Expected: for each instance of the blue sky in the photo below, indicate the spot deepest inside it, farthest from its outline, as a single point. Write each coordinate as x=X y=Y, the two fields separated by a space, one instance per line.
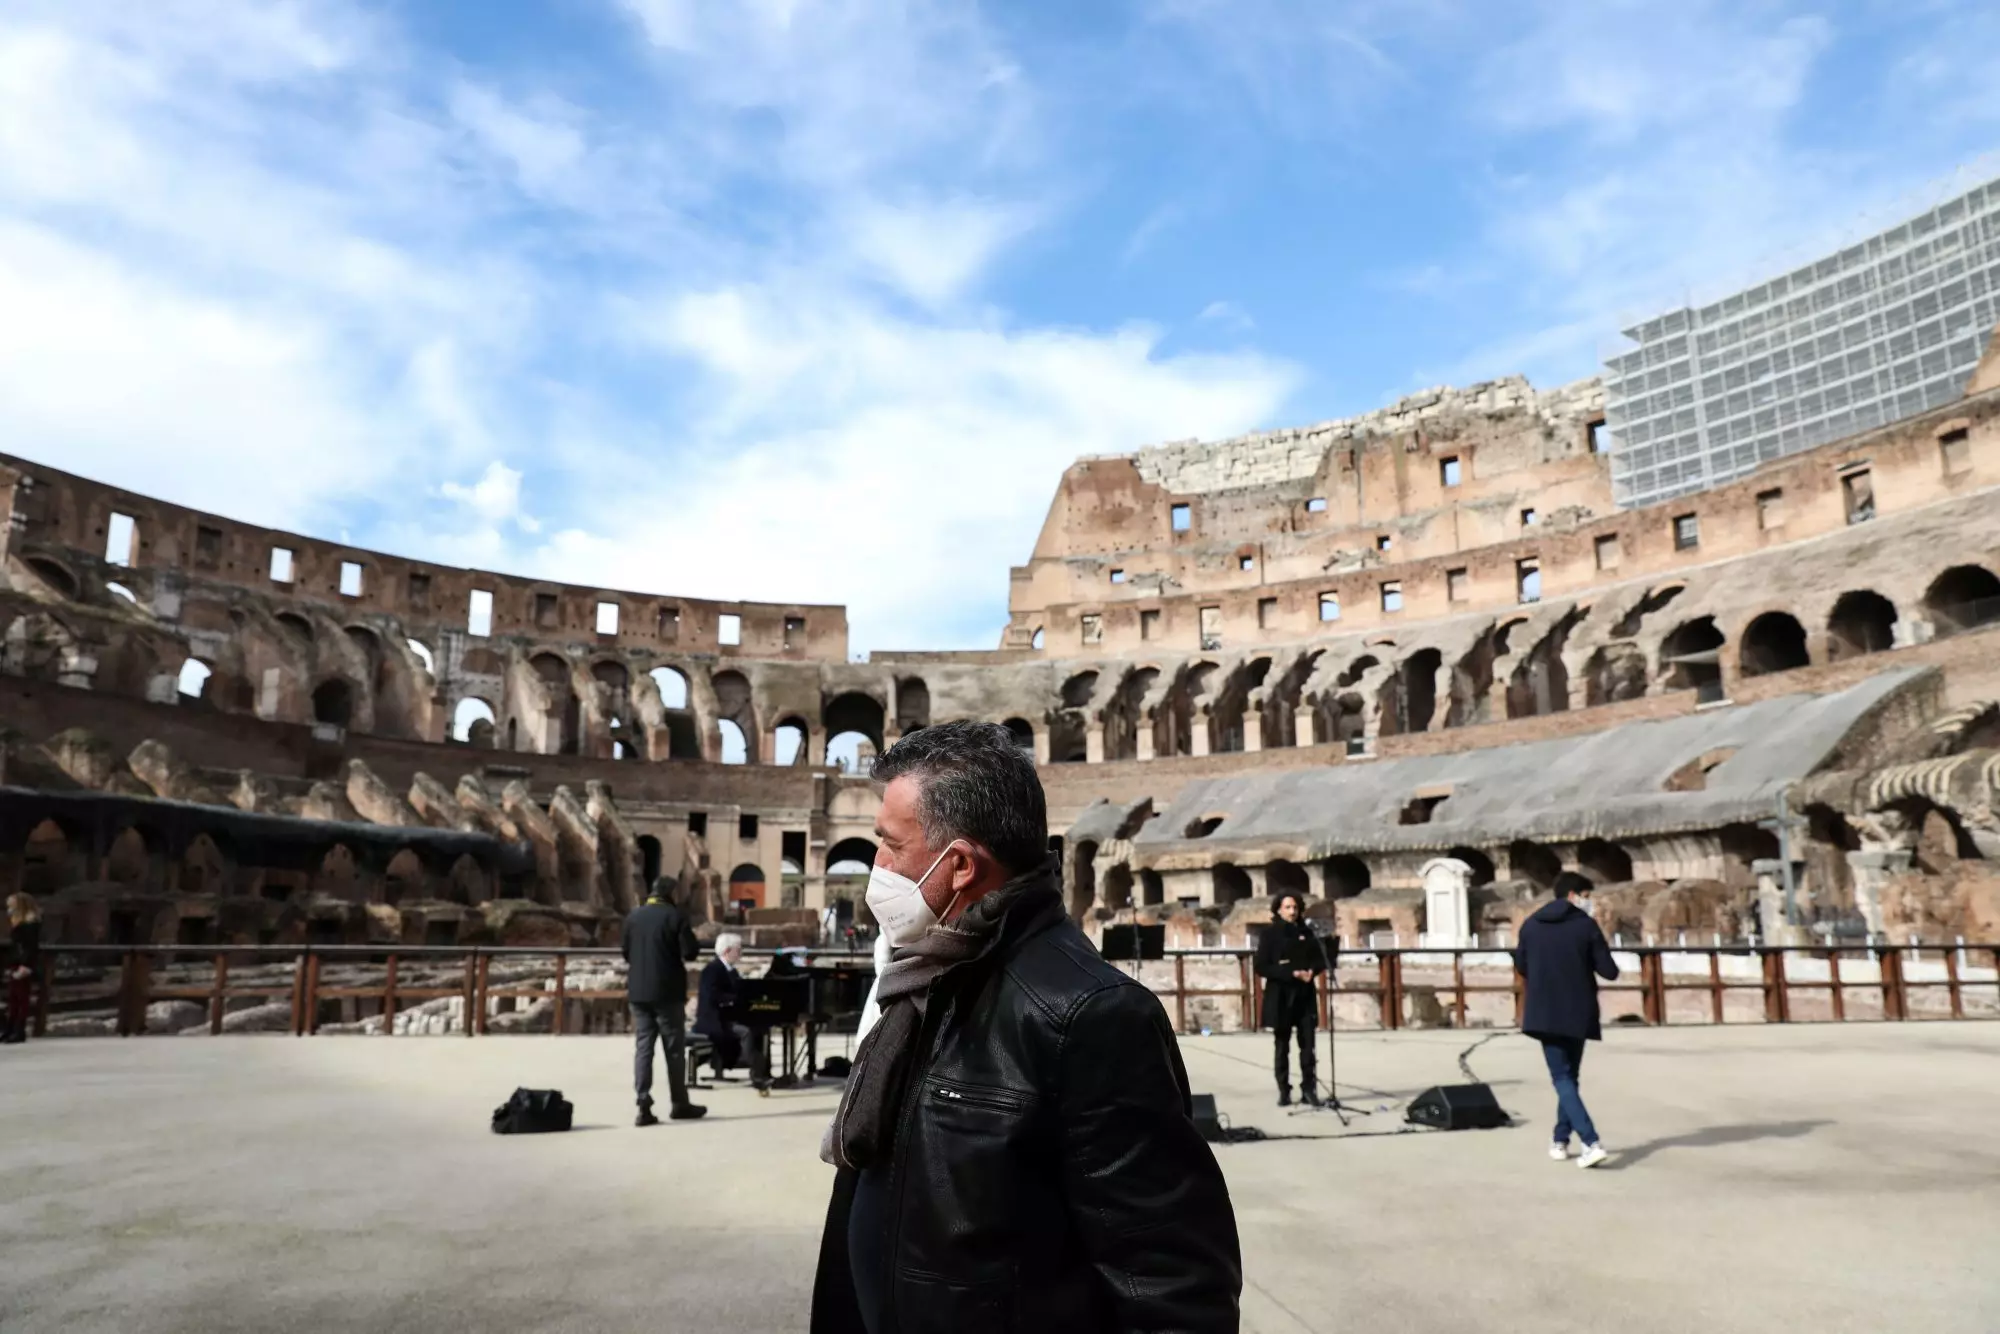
x=814 y=299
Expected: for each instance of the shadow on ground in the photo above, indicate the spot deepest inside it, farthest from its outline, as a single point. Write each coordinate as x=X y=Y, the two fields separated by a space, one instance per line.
x=1713 y=1137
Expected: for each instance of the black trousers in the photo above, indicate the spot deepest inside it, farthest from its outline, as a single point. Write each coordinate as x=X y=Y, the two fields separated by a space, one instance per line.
x=1294 y=1010
x=666 y=1024
x=738 y=1041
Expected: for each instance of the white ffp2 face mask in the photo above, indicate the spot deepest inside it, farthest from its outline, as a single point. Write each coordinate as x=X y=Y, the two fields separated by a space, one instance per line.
x=898 y=903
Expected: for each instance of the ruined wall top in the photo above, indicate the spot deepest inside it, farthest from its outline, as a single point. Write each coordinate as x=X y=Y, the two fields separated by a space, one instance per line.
x=1266 y=458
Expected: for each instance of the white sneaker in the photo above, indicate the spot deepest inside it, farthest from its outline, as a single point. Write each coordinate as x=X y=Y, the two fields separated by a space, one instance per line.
x=1593 y=1154
x=1559 y=1152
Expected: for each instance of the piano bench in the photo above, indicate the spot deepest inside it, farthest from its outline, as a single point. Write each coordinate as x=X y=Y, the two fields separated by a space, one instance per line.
x=700 y=1050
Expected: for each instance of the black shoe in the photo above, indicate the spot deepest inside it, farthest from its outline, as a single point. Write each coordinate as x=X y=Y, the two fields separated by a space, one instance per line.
x=646 y=1118
x=1284 y=1097
x=687 y=1111
x=1311 y=1095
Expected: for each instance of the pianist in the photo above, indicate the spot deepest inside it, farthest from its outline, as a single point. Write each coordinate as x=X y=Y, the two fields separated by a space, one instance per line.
x=719 y=1018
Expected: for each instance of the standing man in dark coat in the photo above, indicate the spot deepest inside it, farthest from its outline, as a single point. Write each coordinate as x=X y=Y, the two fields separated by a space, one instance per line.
x=1561 y=955
x=1289 y=957
x=657 y=945
x=1015 y=1149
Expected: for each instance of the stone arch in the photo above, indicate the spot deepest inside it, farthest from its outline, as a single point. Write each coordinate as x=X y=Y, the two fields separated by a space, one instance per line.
x=913 y=705
x=1195 y=689
x=1656 y=599
x=1535 y=862
x=404 y=880
x=1615 y=673
x=1124 y=716
x=53 y=857
x=206 y=866
x=193 y=683
x=1083 y=879
x=851 y=719
x=1069 y=723
x=1481 y=864
x=1472 y=683
x=339 y=874
x=472 y=721
x=732 y=746
x=1862 y=622
x=468 y=882
x=136 y=858
x=297 y=626
x=1117 y=894
x=1152 y=888
x=1022 y=732
x=1286 y=877
x=1540 y=684
x=1346 y=876
x=1604 y=862
x=60 y=579
x=1228 y=718
x=333 y=701
x=1408 y=699
x=1962 y=598
x=1774 y=642
x=673 y=687
x=1231 y=883
x=1691 y=658
x=564 y=710
x=791 y=741
x=1283 y=700
x=746 y=885
x=850 y=852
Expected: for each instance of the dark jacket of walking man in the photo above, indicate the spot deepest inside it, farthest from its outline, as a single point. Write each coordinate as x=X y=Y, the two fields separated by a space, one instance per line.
x=1015 y=1149
x=1561 y=955
x=1289 y=957
x=657 y=945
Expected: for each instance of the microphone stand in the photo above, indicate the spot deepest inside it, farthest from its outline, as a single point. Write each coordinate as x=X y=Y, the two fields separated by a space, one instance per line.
x=1333 y=1102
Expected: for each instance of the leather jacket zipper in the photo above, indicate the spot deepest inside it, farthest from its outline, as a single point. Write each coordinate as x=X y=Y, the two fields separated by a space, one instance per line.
x=992 y=1099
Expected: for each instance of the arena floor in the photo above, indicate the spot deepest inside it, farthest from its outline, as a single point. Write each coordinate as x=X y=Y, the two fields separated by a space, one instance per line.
x=1830 y=1178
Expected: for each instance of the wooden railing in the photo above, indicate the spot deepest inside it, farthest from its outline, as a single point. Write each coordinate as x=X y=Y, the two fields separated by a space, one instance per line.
x=1407 y=987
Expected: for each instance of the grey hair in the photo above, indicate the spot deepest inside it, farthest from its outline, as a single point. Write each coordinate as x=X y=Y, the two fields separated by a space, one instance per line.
x=974 y=781
x=726 y=940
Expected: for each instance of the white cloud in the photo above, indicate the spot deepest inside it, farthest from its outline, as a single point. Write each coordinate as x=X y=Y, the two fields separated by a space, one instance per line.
x=1228 y=315
x=898 y=466
x=932 y=250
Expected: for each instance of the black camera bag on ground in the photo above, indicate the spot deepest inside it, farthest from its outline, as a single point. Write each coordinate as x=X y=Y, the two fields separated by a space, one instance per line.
x=532 y=1112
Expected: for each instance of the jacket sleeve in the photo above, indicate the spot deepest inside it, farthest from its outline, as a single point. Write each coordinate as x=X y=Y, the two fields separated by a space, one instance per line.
x=690 y=947
x=625 y=941
x=1146 y=1197
x=1267 y=955
x=1600 y=954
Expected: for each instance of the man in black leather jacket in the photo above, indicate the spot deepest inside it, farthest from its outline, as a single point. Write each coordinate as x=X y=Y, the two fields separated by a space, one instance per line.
x=1030 y=1162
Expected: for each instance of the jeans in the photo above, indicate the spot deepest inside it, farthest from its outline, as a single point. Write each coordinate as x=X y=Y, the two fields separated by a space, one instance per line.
x=1565 y=1058
x=667 y=1024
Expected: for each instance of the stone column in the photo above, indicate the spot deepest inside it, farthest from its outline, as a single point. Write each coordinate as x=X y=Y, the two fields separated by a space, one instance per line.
x=1253 y=731
x=1873 y=870
x=816 y=747
x=1260 y=885
x=1143 y=741
x=1042 y=746
x=1093 y=743
x=1302 y=727
x=1316 y=879
x=1198 y=733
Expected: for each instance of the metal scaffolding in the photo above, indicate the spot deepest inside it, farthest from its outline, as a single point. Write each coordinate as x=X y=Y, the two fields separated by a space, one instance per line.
x=1885 y=329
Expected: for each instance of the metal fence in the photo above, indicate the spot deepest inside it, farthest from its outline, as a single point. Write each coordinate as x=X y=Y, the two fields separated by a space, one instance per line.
x=309 y=989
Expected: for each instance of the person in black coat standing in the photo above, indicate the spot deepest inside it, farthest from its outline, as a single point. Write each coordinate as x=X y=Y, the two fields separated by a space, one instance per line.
x=1561 y=955
x=1289 y=957
x=658 y=944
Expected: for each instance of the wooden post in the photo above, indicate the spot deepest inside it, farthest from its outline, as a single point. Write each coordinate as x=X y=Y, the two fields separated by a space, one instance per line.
x=469 y=985
x=485 y=967
x=218 y=995
x=562 y=994
x=1715 y=984
x=299 y=993
x=1392 y=989
x=1253 y=1016
x=44 y=972
x=1951 y=983
x=126 y=964
x=142 y=985
x=389 y=998
x=1839 y=992
x=1895 y=1000
x=1774 y=986
x=1180 y=991
x=1653 y=989
x=312 y=994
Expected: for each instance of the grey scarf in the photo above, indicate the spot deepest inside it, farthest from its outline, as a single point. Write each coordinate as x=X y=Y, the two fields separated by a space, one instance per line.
x=860 y=1131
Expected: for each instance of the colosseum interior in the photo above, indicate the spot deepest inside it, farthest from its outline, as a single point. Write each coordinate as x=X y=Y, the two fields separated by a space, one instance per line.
x=1413 y=664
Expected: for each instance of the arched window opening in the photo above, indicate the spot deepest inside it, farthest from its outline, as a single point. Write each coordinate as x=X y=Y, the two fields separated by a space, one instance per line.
x=1022 y=732
x=673 y=687
x=1691 y=659
x=1118 y=887
x=1964 y=597
x=1481 y=864
x=1862 y=622
x=1283 y=877
x=1232 y=883
x=734 y=748
x=1536 y=862
x=1083 y=888
x=1346 y=876
x=789 y=742
x=1604 y=862
x=470 y=715
x=333 y=702
x=746 y=887
x=1774 y=642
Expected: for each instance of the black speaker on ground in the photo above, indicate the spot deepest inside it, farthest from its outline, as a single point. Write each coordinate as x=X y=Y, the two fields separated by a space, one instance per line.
x=1456 y=1107
x=1205 y=1118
